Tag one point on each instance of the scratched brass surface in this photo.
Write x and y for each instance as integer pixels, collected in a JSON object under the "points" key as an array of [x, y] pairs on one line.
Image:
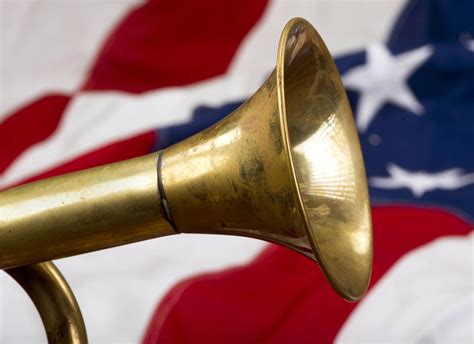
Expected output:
{"points": [[54, 301], [284, 167], [81, 212]]}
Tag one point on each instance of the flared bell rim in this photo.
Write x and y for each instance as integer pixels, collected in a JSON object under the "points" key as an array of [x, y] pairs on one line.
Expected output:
{"points": [[351, 278]]}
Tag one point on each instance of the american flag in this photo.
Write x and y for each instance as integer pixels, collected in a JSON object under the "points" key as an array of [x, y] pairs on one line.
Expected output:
{"points": [[89, 83]]}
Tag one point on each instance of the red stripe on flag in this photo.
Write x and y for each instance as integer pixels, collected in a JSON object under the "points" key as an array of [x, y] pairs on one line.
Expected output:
{"points": [[166, 43], [29, 125], [118, 151], [282, 297]]}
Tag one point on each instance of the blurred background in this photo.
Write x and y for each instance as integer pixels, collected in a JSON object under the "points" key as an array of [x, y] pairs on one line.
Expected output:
{"points": [[89, 83]]}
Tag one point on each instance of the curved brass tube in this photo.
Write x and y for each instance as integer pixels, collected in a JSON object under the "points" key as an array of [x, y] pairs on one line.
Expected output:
{"points": [[54, 300]]}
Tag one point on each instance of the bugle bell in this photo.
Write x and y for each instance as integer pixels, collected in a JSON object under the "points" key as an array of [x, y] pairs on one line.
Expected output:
{"points": [[285, 167]]}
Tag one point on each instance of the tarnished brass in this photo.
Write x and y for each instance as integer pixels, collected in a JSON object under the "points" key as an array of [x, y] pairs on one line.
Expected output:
{"points": [[285, 167], [54, 300]]}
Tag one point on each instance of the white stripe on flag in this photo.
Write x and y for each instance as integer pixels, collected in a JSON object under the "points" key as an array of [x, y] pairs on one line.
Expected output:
{"points": [[49, 46], [426, 297]]}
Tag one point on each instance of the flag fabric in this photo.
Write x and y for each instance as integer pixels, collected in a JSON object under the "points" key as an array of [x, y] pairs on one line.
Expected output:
{"points": [[84, 84]]}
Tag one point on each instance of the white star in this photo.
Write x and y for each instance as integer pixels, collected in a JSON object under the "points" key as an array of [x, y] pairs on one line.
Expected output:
{"points": [[384, 79], [421, 182], [467, 40], [469, 45]]}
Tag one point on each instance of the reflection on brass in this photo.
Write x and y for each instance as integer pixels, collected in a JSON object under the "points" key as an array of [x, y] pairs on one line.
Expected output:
{"points": [[80, 212], [54, 300], [285, 167]]}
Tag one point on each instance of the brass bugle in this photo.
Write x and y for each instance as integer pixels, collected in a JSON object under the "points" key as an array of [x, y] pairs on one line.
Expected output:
{"points": [[285, 167]]}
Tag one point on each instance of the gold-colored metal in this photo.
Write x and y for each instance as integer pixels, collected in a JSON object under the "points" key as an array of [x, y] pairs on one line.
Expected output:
{"points": [[285, 167], [80, 212], [54, 301]]}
